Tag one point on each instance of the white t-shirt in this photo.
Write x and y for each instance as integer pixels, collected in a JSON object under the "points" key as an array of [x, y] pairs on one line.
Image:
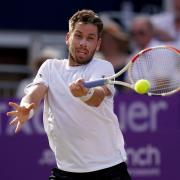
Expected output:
{"points": [[83, 138]]}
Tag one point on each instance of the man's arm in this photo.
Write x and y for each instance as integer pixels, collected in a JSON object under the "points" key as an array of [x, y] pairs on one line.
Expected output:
{"points": [[29, 103], [95, 99]]}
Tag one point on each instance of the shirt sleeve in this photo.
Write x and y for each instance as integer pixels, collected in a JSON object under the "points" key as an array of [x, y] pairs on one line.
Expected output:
{"points": [[101, 70], [42, 77]]}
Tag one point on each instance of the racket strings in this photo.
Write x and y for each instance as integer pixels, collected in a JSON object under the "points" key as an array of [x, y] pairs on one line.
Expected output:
{"points": [[161, 67]]}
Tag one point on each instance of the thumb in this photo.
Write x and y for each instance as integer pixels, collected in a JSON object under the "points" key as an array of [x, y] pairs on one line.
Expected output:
{"points": [[31, 106], [80, 81]]}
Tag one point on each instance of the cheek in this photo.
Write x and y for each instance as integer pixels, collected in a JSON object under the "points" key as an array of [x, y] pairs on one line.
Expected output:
{"points": [[69, 43], [73, 43], [71, 48]]}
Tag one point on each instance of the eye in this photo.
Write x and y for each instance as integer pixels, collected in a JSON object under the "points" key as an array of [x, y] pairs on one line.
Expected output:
{"points": [[78, 36], [90, 38]]}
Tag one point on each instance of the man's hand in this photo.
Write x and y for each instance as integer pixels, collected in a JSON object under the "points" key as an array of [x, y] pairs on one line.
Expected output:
{"points": [[99, 93], [77, 88], [21, 114]]}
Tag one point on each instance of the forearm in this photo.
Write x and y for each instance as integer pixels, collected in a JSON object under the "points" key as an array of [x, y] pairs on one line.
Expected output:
{"points": [[98, 96], [27, 100], [92, 97], [28, 104], [35, 96]]}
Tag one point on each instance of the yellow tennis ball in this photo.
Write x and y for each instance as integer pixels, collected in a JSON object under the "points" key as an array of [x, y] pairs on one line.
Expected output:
{"points": [[142, 86]]}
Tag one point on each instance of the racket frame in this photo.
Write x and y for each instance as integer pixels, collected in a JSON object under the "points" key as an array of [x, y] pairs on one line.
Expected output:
{"points": [[111, 79], [144, 51]]}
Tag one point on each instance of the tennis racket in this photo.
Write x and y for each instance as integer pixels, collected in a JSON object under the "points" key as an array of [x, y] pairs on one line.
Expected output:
{"points": [[159, 65]]}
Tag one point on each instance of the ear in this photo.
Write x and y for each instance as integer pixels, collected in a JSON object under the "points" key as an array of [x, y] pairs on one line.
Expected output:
{"points": [[67, 39], [98, 44]]}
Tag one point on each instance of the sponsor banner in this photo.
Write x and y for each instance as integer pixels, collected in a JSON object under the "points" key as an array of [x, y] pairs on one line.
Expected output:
{"points": [[151, 128], [26, 155]]}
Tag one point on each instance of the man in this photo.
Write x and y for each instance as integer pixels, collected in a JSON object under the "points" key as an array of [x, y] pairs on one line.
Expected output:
{"points": [[82, 129], [113, 36], [142, 32], [167, 24]]}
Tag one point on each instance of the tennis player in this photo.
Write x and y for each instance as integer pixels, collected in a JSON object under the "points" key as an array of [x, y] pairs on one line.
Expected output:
{"points": [[82, 129]]}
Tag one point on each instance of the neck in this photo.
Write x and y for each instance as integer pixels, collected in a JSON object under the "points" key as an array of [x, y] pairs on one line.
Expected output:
{"points": [[72, 61]]}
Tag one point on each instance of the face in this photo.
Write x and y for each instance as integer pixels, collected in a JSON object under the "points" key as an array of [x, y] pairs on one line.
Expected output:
{"points": [[176, 5], [141, 34], [82, 43]]}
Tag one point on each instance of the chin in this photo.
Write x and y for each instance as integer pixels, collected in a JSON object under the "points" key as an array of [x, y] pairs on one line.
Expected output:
{"points": [[84, 61], [81, 60]]}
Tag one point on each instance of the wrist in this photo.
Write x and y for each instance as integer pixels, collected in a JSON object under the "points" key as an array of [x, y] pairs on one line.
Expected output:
{"points": [[27, 106], [106, 91]]}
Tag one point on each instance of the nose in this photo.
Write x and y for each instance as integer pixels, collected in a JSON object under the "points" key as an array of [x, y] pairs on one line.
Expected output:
{"points": [[83, 42]]}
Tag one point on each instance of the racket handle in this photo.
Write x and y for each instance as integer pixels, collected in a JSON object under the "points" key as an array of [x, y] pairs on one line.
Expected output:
{"points": [[90, 84]]}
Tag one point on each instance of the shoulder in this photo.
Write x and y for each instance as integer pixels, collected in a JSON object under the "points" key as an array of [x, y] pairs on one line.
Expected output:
{"points": [[155, 42], [53, 62], [101, 62], [162, 18], [101, 65]]}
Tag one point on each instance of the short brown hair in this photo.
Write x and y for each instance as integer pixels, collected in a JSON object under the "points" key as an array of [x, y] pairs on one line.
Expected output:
{"points": [[87, 17]]}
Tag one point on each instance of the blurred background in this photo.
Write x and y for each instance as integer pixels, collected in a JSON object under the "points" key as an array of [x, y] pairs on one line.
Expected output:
{"points": [[34, 31]]}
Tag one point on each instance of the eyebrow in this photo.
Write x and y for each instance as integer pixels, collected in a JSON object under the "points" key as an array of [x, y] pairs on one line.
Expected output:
{"points": [[91, 34]]}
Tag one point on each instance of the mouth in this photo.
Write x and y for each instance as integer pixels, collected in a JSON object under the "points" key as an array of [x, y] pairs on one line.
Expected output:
{"points": [[82, 52]]}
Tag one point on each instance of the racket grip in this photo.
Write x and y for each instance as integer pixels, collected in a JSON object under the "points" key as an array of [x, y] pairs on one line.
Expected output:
{"points": [[90, 84]]}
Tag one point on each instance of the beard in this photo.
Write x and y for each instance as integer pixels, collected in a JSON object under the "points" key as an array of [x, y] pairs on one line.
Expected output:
{"points": [[80, 61]]}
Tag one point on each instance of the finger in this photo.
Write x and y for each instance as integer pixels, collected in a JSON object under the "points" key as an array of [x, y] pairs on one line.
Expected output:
{"points": [[83, 89], [14, 121], [14, 105], [11, 113], [77, 87], [71, 86], [18, 127], [80, 81], [31, 106], [74, 87]]}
